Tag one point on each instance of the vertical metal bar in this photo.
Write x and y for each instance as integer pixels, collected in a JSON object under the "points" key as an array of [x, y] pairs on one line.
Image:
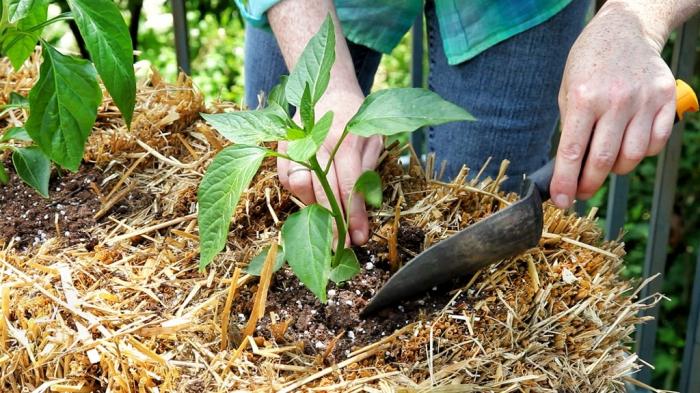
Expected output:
{"points": [[664, 192], [182, 46], [418, 138], [617, 206], [690, 377]]}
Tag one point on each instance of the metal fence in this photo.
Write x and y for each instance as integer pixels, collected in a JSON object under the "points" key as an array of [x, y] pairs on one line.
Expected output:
{"points": [[682, 65]]}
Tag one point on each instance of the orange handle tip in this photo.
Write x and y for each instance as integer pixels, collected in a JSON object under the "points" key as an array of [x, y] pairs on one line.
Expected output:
{"points": [[686, 100]]}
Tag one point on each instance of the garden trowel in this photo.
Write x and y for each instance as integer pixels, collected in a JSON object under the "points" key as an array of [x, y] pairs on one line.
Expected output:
{"points": [[503, 234]]}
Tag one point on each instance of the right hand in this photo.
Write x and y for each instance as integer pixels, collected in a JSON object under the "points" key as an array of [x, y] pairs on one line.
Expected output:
{"points": [[355, 156]]}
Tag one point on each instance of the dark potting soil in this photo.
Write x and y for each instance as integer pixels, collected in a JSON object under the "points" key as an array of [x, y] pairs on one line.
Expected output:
{"points": [[31, 219], [316, 324]]}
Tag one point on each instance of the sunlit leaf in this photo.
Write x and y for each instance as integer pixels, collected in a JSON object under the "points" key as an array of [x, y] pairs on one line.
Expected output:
{"points": [[347, 267], [295, 133], [302, 149], [306, 109], [33, 167], [17, 42], [248, 127], [16, 133], [108, 40], [314, 65], [256, 264], [391, 111], [4, 176], [369, 184], [63, 107], [20, 9], [229, 174], [307, 236], [277, 94]]}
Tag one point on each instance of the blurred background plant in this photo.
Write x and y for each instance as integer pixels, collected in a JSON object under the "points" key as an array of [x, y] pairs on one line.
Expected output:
{"points": [[216, 49]]}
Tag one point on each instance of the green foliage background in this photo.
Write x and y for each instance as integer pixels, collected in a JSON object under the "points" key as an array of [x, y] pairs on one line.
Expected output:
{"points": [[216, 40]]}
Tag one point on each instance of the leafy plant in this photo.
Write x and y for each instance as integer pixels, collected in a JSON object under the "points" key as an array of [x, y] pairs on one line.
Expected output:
{"points": [[63, 103], [307, 235]]}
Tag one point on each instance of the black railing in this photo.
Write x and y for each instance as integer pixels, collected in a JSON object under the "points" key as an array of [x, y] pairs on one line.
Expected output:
{"points": [[682, 65], [182, 45]]}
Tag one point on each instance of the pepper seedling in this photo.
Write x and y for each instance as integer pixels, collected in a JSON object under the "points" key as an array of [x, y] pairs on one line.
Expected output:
{"points": [[63, 103], [307, 235]]}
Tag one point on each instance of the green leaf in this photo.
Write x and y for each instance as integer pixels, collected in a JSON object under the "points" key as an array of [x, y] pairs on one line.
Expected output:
{"points": [[16, 133], [314, 65], [307, 236], [277, 95], [306, 110], [248, 127], [108, 40], [391, 111], [18, 100], [229, 174], [63, 107], [4, 176], [17, 42], [20, 9], [295, 133], [369, 184], [33, 167], [302, 149], [255, 266], [347, 267]]}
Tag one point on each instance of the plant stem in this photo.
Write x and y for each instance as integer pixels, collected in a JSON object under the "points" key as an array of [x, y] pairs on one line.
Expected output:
{"points": [[57, 18], [335, 150], [335, 208]]}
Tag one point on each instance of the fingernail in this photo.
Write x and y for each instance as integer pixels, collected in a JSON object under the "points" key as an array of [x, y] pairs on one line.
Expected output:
{"points": [[358, 237], [561, 200]]}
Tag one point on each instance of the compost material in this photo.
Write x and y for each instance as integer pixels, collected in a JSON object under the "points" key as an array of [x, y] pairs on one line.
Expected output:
{"points": [[28, 219], [127, 310]]}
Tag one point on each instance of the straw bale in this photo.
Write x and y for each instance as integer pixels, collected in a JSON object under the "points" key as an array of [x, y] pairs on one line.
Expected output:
{"points": [[133, 314]]}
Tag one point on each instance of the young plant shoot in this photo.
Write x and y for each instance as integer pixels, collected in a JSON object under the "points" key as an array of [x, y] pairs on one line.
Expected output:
{"points": [[63, 103], [307, 235]]}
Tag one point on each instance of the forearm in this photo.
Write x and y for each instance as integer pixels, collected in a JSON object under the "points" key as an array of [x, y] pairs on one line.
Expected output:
{"points": [[294, 22], [657, 17]]}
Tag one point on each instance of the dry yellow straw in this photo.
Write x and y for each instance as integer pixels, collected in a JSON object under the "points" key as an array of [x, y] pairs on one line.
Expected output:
{"points": [[226, 313], [261, 295]]}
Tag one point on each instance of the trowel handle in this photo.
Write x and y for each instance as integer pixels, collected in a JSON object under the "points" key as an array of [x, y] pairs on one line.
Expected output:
{"points": [[686, 101], [542, 178]]}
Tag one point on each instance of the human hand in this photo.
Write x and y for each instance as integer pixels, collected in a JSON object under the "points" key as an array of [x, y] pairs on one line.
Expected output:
{"points": [[354, 156], [617, 99]]}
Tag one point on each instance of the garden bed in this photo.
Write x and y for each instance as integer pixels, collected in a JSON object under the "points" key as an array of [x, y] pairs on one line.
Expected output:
{"points": [[123, 307]]}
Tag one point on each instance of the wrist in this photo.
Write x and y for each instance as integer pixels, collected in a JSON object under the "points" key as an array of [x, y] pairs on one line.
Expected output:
{"points": [[343, 101], [654, 19]]}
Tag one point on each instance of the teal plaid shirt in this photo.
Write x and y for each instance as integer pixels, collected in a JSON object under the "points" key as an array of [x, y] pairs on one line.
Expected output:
{"points": [[467, 27]]}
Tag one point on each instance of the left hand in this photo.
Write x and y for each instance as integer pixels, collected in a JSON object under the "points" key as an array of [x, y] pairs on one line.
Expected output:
{"points": [[618, 96]]}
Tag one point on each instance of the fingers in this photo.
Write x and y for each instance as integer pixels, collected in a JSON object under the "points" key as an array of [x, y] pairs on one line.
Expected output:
{"points": [[603, 151], [300, 183], [348, 170], [661, 128], [323, 156], [373, 148], [294, 177], [578, 120], [356, 155], [635, 141]]}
